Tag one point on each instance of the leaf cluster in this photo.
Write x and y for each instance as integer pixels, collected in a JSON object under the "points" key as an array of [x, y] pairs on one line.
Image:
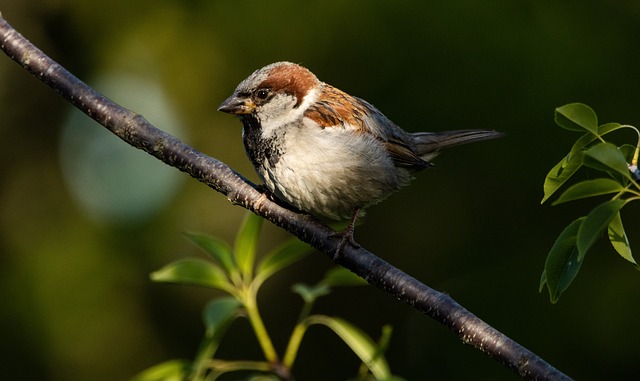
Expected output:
{"points": [[617, 170], [238, 273]]}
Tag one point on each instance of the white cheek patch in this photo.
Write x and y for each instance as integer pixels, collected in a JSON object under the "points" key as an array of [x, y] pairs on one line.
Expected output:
{"points": [[309, 99], [280, 112]]}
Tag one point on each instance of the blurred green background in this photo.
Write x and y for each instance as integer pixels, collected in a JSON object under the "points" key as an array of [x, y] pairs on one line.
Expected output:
{"points": [[84, 218]]}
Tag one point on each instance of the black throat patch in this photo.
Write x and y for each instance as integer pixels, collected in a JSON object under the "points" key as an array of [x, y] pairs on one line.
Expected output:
{"points": [[258, 148]]}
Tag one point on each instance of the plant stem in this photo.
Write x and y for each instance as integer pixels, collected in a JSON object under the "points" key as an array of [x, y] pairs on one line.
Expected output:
{"points": [[634, 160], [259, 329], [297, 334], [200, 365], [222, 366], [294, 344]]}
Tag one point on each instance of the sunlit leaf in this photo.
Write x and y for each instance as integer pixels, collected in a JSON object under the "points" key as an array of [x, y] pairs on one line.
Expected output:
{"points": [[588, 138], [570, 164], [619, 239], [577, 117], [340, 276], [563, 262], [172, 370], [590, 188], [595, 223], [193, 271], [246, 244], [609, 127], [281, 257], [582, 143], [608, 158], [359, 342], [560, 173], [219, 250]]}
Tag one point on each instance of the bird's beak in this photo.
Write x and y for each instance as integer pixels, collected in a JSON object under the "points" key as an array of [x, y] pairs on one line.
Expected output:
{"points": [[237, 106]]}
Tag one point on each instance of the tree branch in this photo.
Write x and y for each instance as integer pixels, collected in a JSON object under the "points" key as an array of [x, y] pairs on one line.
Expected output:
{"points": [[139, 133]]}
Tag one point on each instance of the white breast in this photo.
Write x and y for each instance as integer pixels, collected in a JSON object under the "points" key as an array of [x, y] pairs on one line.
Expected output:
{"points": [[332, 171]]}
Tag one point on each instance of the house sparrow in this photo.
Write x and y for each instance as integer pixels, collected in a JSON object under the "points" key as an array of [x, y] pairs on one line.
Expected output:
{"points": [[324, 151]]}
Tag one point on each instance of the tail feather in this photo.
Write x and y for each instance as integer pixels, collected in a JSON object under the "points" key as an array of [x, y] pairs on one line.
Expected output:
{"points": [[428, 144]]}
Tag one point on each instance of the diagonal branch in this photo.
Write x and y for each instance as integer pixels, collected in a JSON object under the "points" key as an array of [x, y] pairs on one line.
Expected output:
{"points": [[139, 133]]}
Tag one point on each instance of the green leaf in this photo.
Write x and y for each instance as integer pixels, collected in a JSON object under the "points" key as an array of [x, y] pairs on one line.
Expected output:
{"points": [[619, 239], [193, 271], [608, 158], [609, 127], [590, 188], [595, 223], [560, 173], [577, 117], [543, 281], [218, 313], [310, 293], [582, 142], [246, 244], [219, 250], [563, 262], [217, 316], [359, 342], [589, 138], [281, 257], [172, 370], [340, 276]]}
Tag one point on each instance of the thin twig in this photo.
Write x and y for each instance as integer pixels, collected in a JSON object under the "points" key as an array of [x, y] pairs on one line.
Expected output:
{"points": [[138, 132]]}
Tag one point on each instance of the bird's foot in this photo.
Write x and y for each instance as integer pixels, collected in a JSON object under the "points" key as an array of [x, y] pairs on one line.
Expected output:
{"points": [[346, 237]]}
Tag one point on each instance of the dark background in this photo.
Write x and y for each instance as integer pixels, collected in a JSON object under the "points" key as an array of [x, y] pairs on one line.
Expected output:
{"points": [[80, 229]]}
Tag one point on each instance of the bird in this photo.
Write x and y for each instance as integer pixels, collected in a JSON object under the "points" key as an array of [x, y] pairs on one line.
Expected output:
{"points": [[325, 152]]}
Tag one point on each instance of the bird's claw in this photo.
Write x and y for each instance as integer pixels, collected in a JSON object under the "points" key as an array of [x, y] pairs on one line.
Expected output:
{"points": [[346, 236]]}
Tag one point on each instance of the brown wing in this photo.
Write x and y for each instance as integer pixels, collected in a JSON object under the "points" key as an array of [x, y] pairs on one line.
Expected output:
{"points": [[335, 108]]}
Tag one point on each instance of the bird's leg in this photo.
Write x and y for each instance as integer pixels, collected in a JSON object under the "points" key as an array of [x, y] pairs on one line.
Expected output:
{"points": [[265, 194], [268, 194], [262, 188], [346, 236]]}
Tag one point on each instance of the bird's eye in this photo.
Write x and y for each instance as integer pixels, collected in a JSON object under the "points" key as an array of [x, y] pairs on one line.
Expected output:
{"points": [[262, 94]]}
